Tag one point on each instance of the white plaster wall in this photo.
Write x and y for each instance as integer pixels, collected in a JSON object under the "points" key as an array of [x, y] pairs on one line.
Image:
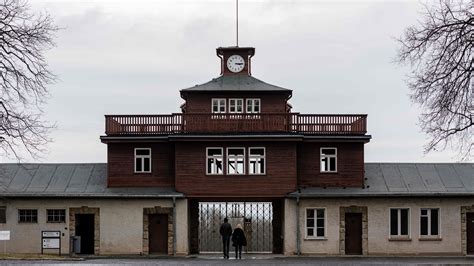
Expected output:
{"points": [[182, 227], [121, 224], [378, 226]]}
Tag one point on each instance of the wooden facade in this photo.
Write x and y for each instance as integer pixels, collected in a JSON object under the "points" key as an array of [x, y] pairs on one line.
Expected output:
{"points": [[292, 141]]}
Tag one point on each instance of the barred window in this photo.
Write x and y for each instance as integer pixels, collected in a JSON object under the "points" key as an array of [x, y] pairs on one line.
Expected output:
{"points": [[56, 216], [28, 216]]}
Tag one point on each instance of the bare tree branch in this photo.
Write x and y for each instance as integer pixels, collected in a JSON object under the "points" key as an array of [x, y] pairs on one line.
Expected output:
{"points": [[440, 52], [24, 77]]}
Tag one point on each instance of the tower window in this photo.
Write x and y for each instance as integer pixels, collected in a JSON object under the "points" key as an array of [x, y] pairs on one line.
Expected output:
{"points": [[142, 160], [253, 105], [235, 161], [215, 161], [218, 105], [257, 161], [236, 105], [328, 160]]}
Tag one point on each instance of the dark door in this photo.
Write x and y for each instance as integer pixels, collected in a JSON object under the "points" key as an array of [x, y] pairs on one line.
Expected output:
{"points": [[158, 233], [353, 238], [470, 232], [85, 229]]}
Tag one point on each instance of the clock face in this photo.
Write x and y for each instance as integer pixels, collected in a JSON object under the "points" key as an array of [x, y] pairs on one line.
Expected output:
{"points": [[235, 63]]}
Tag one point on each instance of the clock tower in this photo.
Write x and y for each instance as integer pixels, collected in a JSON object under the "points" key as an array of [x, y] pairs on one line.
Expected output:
{"points": [[235, 60]]}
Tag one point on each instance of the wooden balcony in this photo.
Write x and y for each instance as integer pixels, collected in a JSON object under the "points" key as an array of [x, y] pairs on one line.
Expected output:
{"points": [[293, 123]]}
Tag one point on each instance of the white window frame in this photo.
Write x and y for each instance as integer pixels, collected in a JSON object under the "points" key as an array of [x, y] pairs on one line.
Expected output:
{"points": [[142, 157], [219, 105], [258, 156], [222, 157], [253, 100], [399, 224], [315, 228], [429, 235], [235, 100], [321, 170], [228, 158]]}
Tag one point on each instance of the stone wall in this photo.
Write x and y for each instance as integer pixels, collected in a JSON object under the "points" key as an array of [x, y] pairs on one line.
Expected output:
{"points": [[86, 210]]}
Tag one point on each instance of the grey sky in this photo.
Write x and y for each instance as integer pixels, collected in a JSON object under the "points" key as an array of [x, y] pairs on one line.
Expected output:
{"points": [[132, 57]]}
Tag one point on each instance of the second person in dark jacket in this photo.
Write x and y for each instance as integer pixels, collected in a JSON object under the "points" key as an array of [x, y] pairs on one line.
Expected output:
{"points": [[238, 240]]}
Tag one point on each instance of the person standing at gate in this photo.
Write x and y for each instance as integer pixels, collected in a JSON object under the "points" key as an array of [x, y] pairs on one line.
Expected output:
{"points": [[238, 240], [226, 233]]}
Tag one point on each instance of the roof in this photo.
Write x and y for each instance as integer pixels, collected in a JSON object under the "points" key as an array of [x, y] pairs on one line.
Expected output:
{"points": [[69, 180], [235, 83], [405, 179]]}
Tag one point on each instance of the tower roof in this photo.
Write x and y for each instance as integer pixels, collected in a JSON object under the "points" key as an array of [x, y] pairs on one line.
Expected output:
{"points": [[236, 83]]}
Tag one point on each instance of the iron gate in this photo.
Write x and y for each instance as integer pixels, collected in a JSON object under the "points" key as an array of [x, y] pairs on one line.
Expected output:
{"points": [[255, 218]]}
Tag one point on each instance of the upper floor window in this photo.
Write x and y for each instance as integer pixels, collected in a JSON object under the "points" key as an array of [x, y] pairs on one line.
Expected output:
{"points": [[142, 160], [328, 160], [56, 216], [236, 105], [256, 161], [429, 222], [27, 216], [315, 222], [218, 105], [253, 105], [235, 161], [215, 161], [399, 222]]}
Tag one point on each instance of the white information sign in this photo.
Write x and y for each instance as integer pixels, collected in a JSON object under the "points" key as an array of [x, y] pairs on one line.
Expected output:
{"points": [[4, 235], [51, 234], [51, 243]]}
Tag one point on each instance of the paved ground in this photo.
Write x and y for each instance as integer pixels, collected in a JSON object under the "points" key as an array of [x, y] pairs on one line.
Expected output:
{"points": [[249, 260]]}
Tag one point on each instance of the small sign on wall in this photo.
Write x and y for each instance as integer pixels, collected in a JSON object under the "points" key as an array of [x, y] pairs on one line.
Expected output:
{"points": [[51, 240], [4, 235]]}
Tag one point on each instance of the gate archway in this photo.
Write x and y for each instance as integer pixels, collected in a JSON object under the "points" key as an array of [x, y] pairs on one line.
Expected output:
{"points": [[255, 217]]}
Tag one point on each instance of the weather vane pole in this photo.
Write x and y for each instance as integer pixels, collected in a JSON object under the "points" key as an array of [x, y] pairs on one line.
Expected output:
{"points": [[237, 20]]}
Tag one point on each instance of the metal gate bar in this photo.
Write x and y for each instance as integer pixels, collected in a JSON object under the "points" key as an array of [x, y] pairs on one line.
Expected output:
{"points": [[255, 217]]}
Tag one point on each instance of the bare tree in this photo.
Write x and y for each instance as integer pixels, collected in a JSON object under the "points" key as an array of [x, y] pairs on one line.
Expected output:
{"points": [[440, 53], [24, 76]]}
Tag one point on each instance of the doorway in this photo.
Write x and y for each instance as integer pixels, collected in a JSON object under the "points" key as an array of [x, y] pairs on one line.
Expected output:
{"points": [[470, 232], [85, 228], [158, 233], [353, 233]]}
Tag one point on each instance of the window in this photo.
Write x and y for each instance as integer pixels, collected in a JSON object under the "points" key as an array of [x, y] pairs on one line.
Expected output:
{"points": [[236, 105], [315, 223], [215, 161], [429, 222], [218, 105], [3, 214], [235, 161], [27, 216], [142, 160], [328, 160], [56, 216], [399, 222], [253, 105], [256, 161]]}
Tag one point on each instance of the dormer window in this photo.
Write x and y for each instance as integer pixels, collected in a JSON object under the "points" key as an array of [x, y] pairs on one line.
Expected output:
{"points": [[253, 105], [142, 160], [218, 106], [236, 105]]}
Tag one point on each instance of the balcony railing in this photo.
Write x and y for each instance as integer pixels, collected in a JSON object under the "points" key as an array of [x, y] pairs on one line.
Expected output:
{"points": [[235, 123]]}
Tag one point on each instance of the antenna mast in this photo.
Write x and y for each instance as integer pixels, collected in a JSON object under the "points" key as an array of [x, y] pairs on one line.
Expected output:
{"points": [[237, 21]]}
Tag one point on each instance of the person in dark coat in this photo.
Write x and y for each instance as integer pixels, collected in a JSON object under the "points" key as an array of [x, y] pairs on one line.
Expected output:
{"points": [[238, 240], [226, 232]]}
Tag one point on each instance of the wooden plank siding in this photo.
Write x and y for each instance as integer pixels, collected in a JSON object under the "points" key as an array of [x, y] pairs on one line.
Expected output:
{"points": [[270, 103], [121, 159], [350, 165], [280, 177]]}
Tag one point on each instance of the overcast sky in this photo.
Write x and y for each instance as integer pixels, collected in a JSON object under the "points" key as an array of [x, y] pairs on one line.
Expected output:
{"points": [[133, 57]]}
